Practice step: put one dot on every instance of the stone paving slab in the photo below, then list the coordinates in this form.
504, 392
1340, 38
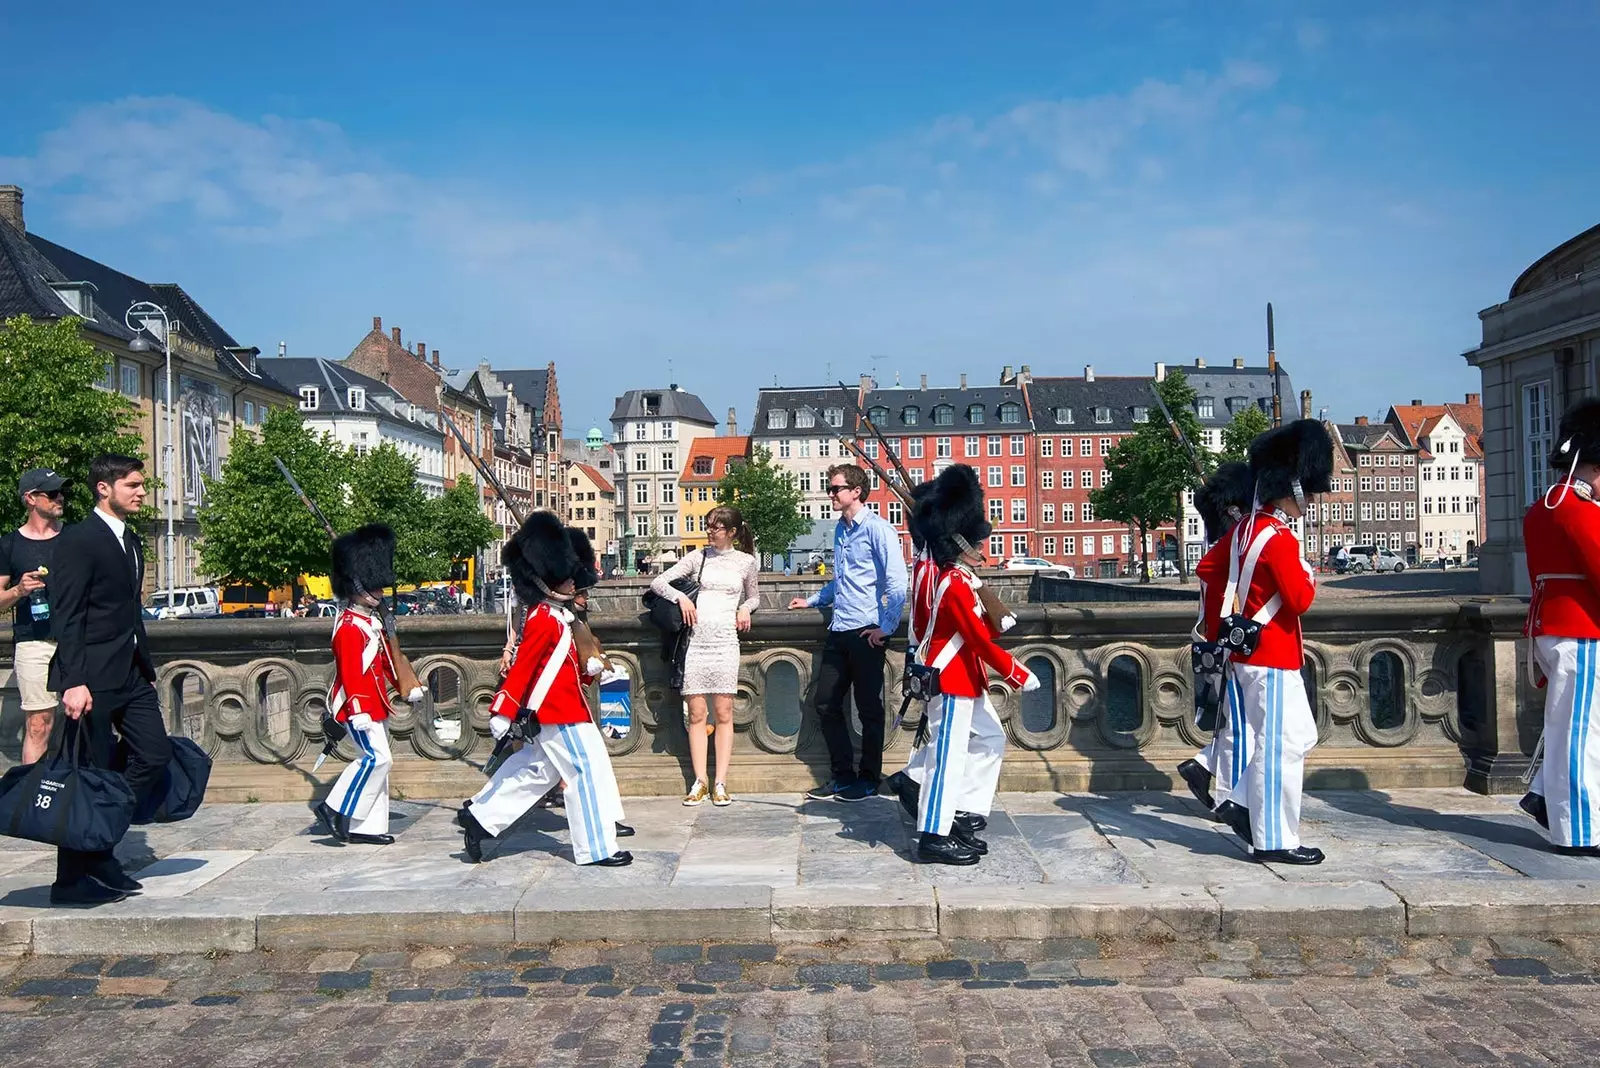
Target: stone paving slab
777, 868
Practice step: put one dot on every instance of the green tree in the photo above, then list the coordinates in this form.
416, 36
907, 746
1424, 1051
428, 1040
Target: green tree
1246, 425
768, 498
1150, 469
253, 526
459, 527
52, 416
384, 489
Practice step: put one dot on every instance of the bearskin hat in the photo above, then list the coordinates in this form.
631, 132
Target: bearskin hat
952, 513
1228, 487
363, 561
1579, 437
588, 573
1299, 451
919, 493
539, 552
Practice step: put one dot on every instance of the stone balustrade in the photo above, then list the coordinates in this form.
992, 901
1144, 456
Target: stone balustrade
1407, 692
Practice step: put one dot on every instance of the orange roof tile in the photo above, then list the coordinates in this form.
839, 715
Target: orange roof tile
601, 482
719, 451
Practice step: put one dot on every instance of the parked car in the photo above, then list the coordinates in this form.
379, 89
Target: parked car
1371, 558
1164, 569
187, 602
1034, 563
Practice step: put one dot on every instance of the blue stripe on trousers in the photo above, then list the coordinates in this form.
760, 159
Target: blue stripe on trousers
1240, 727
1577, 744
369, 760
941, 762
1274, 744
587, 801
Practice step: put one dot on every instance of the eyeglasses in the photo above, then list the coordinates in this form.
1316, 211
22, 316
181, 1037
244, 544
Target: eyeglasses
832, 489
54, 495
716, 526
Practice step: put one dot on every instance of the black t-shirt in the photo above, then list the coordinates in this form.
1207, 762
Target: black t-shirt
19, 555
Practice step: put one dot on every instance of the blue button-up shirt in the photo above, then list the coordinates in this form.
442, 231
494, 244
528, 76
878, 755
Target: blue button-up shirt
868, 588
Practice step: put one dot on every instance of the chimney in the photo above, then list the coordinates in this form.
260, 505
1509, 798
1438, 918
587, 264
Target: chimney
377, 324
283, 349
11, 206
1416, 403
435, 359
396, 333
1005, 375
422, 352
1305, 404
963, 381
1161, 372
1238, 363
1200, 362
1088, 372
924, 382
1475, 398
866, 382
1361, 420
733, 424
1024, 374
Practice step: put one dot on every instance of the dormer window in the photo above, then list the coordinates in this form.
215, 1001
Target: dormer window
975, 413
777, 418
702, 466
1063, 415
944, 415
878, 414
1102, 414
1141, 415
834, 416
804, 418
909, 415
310, 398
652, 404
1205, 407
357, 398
1011, 412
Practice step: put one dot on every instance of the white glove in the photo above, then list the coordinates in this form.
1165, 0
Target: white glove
360, 722
499, 727
595, 666
415, 695
1007, 622
1032, 683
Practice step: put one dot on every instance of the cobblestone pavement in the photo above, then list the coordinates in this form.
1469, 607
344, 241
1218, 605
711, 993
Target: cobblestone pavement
1364, 1001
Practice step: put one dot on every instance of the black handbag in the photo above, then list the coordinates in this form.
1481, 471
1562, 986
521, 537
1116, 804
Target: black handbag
182, 787
666, 614
60, 801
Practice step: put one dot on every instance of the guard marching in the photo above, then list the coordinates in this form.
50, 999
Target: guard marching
542, 703
1562, 535
965, 740
357, 808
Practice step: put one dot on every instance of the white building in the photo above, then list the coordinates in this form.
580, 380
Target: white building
1450, 474
362, 414
801, 428
652, 430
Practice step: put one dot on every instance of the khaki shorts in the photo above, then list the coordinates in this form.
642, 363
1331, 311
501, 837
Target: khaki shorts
33, 669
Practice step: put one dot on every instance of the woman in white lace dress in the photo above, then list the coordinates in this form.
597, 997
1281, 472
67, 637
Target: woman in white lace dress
728, 596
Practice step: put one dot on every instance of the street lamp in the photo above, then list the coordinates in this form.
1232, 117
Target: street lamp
138, 320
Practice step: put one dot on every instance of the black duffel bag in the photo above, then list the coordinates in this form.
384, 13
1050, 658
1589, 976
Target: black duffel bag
666, 614
60, 801
182, 787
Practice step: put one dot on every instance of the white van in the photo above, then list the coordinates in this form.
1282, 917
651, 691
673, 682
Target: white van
188, 602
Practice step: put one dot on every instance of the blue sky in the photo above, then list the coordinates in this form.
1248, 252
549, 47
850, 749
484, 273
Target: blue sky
737, 194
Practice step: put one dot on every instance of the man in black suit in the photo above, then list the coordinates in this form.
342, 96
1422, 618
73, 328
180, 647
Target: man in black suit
102, 667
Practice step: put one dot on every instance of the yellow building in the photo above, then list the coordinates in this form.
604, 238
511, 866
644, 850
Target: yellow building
708, 460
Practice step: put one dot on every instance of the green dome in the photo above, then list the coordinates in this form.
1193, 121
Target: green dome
594, 439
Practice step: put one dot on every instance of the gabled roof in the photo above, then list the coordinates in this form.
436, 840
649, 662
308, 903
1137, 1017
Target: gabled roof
529, 385
25, 278
796, 400
601, 482
902, 400
675, 403
1067, 405
720, 451
334, 381
1245, 386
1365, 437
1417, 421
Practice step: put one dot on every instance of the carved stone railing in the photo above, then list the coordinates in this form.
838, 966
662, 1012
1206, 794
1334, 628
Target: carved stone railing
1406, 693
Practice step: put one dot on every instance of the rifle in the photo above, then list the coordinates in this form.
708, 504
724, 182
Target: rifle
405, 676
1177, 431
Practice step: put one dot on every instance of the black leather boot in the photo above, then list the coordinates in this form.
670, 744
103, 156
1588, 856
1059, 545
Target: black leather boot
1533, 805
1199, 781
972, 821
1238, 817
1297, 855
331, 821
968, 839
907, 790
943, 849
472, 835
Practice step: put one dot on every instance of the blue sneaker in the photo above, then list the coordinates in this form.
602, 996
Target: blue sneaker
859, 790
826, 792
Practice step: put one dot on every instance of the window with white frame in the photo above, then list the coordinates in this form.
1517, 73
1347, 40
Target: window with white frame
1047, 546
1069, 545
1019, 509
994, 445
1536, 439
669, 525
641, 526
1066, 478
1108, 544
641, 493
971, 446
914, 448
777, 418
1047, 447
996, 475
896, 512
824, 448
1127, 543
641, 460
1366, 483
941, 449
1411, 484
1380, 511
669, 493
1105, 447
1366, 511
669, 461
1068, 511
997, 545
1019, 474
997, 510
1019, 445
1019, 542
1088, 513
1047, 514
1105, 476
1047, 480
309, 398
1411, 509
785, 448
128, 378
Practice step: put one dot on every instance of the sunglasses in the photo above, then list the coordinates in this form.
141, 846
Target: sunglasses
54, 495
837, 489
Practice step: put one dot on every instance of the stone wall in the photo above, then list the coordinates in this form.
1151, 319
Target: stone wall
1406, 692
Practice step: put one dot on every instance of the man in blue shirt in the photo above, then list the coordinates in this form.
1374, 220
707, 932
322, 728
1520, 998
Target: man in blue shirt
867, 592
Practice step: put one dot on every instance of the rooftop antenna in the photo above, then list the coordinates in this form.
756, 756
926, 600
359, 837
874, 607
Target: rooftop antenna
1272, 369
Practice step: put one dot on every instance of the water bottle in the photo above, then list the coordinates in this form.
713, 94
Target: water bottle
39, 601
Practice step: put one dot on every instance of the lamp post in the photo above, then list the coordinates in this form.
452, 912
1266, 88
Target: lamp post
138, 320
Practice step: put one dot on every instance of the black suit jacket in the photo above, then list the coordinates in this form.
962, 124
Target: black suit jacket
95, 592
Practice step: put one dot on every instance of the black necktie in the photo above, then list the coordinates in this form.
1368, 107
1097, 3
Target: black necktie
130, 545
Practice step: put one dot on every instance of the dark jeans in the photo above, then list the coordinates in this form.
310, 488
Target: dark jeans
850, 662
135, 712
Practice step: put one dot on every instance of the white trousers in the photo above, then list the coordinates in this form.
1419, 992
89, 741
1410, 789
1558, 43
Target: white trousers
1282, 732
965, 746
1569, 778
574, 753
986, 746
1228, 753
361, 793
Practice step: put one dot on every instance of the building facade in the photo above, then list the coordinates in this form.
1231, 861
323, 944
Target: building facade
708, 460
592, 507
1450, 476
803, 429
1386, 486
651, 431
537, 398
1332, 518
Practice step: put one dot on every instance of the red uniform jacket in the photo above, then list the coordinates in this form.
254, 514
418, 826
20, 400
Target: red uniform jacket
1280, 572
1212, 571
1563, 544
960, 614
363, 673
547, 629
924, 577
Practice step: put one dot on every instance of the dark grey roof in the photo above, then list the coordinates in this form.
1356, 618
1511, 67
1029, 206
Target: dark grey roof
26, 275
529, 385
675, 404
796, 400
1252, 384
334, 380
1367, 435
901, 401
1073, 405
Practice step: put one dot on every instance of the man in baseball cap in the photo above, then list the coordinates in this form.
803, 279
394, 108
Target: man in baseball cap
25, 558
